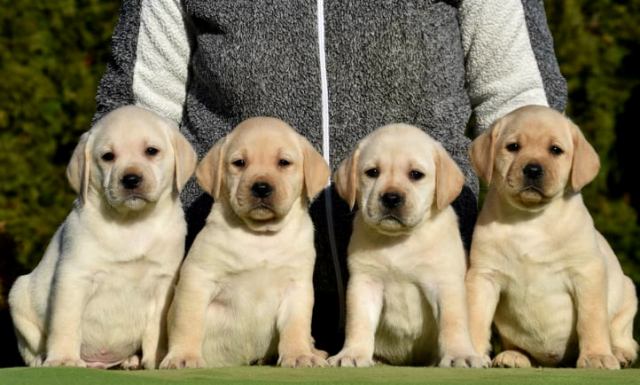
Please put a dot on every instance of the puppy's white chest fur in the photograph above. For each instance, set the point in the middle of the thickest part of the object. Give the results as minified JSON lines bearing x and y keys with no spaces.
{"x":534,"y":261}
{"x":407,"y":326}
{"x":536,"y":298}
{"x":121,"y":268}
{"x":251,"y":273}
{"x":133,"y":264}
{"x":410,"y":271}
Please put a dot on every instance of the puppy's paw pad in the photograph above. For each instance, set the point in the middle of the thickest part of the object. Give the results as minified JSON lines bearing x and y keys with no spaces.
{"x":626,"y":356}
{"x":511,"y":359}
{"x":598,"y":361}
{"x":67,"y":362}
{"x":182,"y":361}
{"x":131,"y":363}
{"x":351,"y":359}
{"x":302,"y":361}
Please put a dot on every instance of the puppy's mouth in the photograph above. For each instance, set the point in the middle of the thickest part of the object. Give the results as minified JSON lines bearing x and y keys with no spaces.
{"x":532,"y":195}
{"x":128,"y":200}
{"x":392,"y":218}
{"x":392,"y":224}
{"x":262,"y":212}
{"x":135,"y":201}
{"x":135,"y":195}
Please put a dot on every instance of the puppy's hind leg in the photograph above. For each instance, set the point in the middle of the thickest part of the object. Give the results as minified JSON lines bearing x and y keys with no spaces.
{"x":29,"y":331}
{"x":624,"y":347}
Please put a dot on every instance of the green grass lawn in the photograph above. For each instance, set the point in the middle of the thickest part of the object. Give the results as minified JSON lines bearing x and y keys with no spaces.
{"x":271,"y":375}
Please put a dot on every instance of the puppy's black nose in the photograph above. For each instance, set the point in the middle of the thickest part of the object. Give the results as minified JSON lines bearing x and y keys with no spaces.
{"x":261,"y":190}
{"x":533,"y":171}
{"x":131,"y":181}
{"x":392,"y":200}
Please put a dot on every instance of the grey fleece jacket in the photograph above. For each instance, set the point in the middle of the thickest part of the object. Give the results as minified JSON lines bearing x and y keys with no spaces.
{"x":335,"y":70}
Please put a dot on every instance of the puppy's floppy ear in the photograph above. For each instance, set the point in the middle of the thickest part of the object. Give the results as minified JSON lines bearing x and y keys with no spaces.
{"x":585,"y":163}
{"x":449,"y":178}
{"x":483,"y":150}
{"x":185,"y":158}
{"x":346,"y":178}
{"x":210,"y":169}
{"x":315,"y":168}
{"x":80,"y":165}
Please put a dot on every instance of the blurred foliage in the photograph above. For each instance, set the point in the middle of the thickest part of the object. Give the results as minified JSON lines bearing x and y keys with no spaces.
{"x":52,"y":54}
{"x":597,"y":47}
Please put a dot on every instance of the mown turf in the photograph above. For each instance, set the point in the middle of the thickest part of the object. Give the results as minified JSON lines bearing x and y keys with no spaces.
{"x":270,"y":375}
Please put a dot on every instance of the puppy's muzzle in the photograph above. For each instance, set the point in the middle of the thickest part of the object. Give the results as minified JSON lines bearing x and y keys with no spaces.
{"x":131,"y":181}
{"x":533,"y":172}
{"x":392,"y":200}
{"x":261,"y":190}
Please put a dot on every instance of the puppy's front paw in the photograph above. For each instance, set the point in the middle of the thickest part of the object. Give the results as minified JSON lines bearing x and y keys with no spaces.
{"x":75,"y":362}
{"x":149,"y":363}
{"x":511,"y":359}
{"x":302,"y":361}
{"x":626,"y":356}
{"x":464,"y":361}
{"x":37,"y":361}
{"x":351,"y":358}
{"x":598,"y":361}
{"x":131,"y":363}
{"x":182,"y":361}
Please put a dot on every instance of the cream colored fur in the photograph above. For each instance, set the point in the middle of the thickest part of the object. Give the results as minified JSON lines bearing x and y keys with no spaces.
{"x":539,"y":269}
{"x":245,"y":293}
{"x":406,"y":296}
{"x":99,"y":295}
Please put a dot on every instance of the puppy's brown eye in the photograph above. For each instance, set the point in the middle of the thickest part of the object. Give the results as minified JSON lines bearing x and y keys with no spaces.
{"x":555,"y":150}
{"x":238,"y":163}
{"x":151,"y":151}
{"x":283,"y":163}
{"x":372,"y":172}
{"x":108,"y":156}
{"x":513,"y":147}
{"x":415,"y":175}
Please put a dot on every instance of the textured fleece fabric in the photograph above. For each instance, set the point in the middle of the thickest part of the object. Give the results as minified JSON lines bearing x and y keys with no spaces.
{"x":211,"y":64}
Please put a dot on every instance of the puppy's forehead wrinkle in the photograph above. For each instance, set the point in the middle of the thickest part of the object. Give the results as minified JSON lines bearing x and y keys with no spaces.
{"x":400,"y":165}
{"x":264,"y":144}
{"x":262,"y":158}
{"x":129,"y":144}
{"x":538,"y":129}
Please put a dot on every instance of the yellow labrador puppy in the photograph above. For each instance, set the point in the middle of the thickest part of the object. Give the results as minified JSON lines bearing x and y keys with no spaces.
{"x":99,"y":295}
{"x":539,"y":269}
{"x":245,"y":293}
{"x":406,"y":302}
